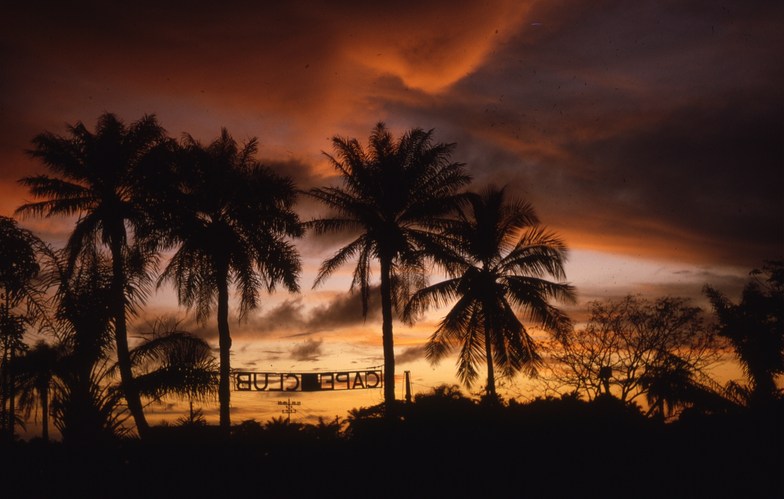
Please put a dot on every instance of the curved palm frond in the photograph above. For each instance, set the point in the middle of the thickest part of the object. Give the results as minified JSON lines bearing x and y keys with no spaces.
{"x":473,"y":348}
{"x":175,"y":363}
{"x":341,"y":257}
{"x":70,"y":196}
{"x":455,"y":326}
{"x":436,"y":295}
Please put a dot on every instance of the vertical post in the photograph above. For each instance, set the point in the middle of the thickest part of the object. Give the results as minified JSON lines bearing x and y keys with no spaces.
{"x":408,"y":387}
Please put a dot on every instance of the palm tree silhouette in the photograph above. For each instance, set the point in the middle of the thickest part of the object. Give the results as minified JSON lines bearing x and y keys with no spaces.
{"x":232,"y":219}
{"x":668,"y":384}
{"x":498,"y":258}
{"x":755,"y":329}
{"x":35,"y":372}
{"x":107,"y":178}
{"x":395,"y":195}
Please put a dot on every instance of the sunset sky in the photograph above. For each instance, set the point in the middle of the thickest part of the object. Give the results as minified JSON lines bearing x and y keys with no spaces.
{"x":648,"y":134}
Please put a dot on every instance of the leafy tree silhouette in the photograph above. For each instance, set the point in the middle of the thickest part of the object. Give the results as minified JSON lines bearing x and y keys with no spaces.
{"x":87,"y":405}
{"x":35,"y":372}
{"x":232,"y":218}
{"x":79,"y":369}
{"x":107,"y":178}
{"x":755,"y":328}
{"x":497,"y":257}
{"x":634,"y":347}
{"x":395,"y":195}
{"x":18,"y":268}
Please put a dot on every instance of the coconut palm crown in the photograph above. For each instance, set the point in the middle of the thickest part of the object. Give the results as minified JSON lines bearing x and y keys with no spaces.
{"x":394,"y":197}
{"x":232,"y":219}
{"x":499,"y":260}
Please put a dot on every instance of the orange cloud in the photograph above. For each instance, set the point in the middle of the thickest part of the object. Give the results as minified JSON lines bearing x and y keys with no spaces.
{"x":441,"y":44}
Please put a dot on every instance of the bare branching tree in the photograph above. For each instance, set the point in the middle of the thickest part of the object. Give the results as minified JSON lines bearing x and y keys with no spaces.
{"x":634,"y":347}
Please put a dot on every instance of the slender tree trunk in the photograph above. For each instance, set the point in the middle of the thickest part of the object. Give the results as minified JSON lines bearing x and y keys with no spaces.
{"x":224,"y":342}
{"x":6,"y":411}
{"x":386,"y":333}
{"x":764,"y":386}
{"x":4,"y":382}
{"x":492,"y":396}
{"x":44,"y":389}
{"x":82,"y":426}
{"x":121,"y":339}
{"x":11,"y":393}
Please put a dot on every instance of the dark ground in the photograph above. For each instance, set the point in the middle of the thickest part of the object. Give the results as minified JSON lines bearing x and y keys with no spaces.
{"x":516,"y":452}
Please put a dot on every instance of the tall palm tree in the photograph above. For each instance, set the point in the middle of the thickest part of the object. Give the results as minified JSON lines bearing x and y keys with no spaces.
{"x":106,"y":178}
{"x":232,"y":219}
{"x":394,"y":195}
{"x":499,"y":260}
{"x":35,"y":372}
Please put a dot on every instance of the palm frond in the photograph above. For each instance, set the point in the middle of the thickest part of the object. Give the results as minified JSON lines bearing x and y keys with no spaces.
{"x":472,"y":351}
{"x":436,"y":295}
{"x":341,"y":256}
{"x":174,"y":362}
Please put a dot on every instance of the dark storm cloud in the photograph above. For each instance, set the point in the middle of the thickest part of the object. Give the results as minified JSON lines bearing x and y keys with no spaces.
{"x":346,"y":310}
{"x":708,"y":178}
{"x":309,"y":351}
{"x":286,"y":316}
{"x":292,"y":316}
{"x":648,"y":128}
{"x":691,"y":289}
{"x":410,"y":354}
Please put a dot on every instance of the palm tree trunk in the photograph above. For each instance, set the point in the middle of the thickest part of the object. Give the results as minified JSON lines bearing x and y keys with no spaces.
{"x":11,"y":393}
{"x":491,"y":394}
{"x":4,"y":382}
{"x":6,"y":397}
{"x":386,"y":333}
{"x":121,"y":339}
{"x":44,"y":390}
{"x":224,"y":343}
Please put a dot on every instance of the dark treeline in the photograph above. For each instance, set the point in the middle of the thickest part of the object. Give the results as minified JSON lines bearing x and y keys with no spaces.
{"x":443,"y":445}
{"x":229,"y":223}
